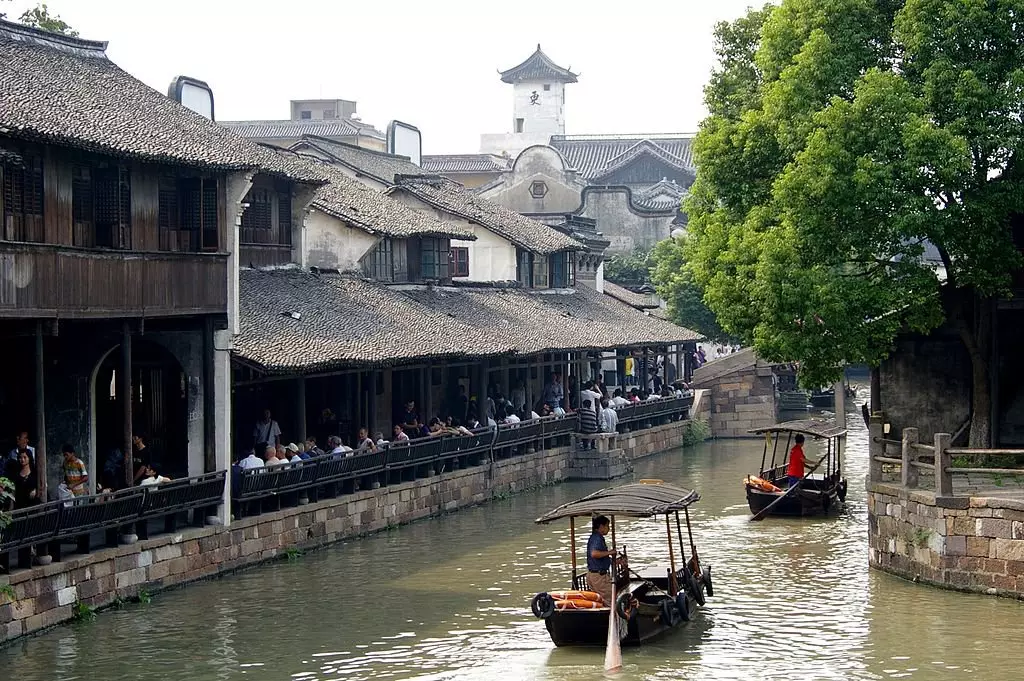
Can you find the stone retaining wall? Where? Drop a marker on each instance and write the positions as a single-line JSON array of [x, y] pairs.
[[46, 595], [964, 543]]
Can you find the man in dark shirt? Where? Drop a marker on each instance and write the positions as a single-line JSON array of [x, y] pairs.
[[599, 560]]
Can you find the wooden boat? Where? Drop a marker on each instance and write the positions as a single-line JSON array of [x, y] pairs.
[[818, 492], [649, 603]]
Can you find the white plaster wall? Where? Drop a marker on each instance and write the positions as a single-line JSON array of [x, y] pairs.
[[547, 116], [511, 143], [622, 227], [332, 244], [222, 409], [491, 257]]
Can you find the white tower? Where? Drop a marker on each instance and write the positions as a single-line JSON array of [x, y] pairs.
[[538, 104]]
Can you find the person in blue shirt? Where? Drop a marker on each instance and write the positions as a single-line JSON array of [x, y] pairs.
[[599, 560]]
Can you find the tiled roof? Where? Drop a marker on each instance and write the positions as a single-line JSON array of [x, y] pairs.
[[637, 300], [362, 206], [538, 67], [595, 155], [291, 320], [541, 321], [334, 127], [62, 90], [377, 164], [465, 163], [665, 195], [452, 197]]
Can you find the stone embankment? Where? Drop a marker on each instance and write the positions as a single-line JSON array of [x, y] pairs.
[[966, 543], [32, 600]]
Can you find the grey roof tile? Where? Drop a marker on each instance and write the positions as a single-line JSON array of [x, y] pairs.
[[538, 66], [287, 129], [631, 298], [65, 91], [452, 197], [595, 155], [443, 164], [297, 321], [376, 164]]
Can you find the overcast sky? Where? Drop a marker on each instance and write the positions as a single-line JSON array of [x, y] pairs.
[[433, 64]]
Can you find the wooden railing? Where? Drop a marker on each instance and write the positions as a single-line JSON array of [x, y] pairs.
[[942, 466], [45, 280]]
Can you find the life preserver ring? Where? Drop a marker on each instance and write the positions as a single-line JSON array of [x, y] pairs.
[[576, 595], [683, 606], [693, 587], [543, 606], [761, 484], [625, 606], [578, 604], [669, 612], [706, 578]]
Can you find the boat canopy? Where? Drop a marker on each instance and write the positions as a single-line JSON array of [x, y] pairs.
[[814, 427], [636, 500]]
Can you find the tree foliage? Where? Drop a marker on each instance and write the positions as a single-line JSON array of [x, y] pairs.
[[40, 17], [633, 269], [843, 137], [684, 297]]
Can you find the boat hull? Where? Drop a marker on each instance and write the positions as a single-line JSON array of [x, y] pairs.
[[589, 628], [815, 497]]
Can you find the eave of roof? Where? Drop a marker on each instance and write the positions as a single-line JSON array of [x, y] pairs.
[[377, 165]]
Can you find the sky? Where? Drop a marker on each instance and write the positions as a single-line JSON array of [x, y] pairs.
[[432, 63]]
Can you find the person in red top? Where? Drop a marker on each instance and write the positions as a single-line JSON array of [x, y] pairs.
[[797, 462]]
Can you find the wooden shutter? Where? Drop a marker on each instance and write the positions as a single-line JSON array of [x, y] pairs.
[[82, 206], [210, 216], [284, 217], [540, 271]]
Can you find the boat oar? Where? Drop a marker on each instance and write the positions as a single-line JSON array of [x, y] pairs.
[[612, 651], [761, 514]]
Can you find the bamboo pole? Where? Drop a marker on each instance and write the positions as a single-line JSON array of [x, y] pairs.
[[673, 588], [572, 545]]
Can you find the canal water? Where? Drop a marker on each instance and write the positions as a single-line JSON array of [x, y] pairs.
[[449, 598]]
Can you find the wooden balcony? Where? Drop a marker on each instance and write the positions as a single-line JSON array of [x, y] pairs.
[[45, 280]]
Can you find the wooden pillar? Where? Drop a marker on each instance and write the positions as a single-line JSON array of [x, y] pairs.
[[40, 414], [428, 394], [909, 472], [371, 406], [300, 408], [875, 448], [876, 390], [209, 400], [126, 399], [646, 371], [506, 385], [481, 391], [943, 460]]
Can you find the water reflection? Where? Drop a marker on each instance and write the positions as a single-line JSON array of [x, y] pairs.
[[449, 599]]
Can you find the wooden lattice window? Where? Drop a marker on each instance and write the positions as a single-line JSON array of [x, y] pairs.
[[257, 220], [380, 262], [562, 270], [284, 217], [21, 195], [524, 268], [460, 261], [188, 214], [434, 259], [101, 205]]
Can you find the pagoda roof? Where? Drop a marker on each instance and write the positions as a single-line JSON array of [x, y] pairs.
[[538, 67]]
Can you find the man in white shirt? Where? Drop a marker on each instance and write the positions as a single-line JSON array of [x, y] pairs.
[[251, 461], [511, 417], [608, 419], [266, 432], [588, 393], [293, 451], [617, 399], [270, 456]]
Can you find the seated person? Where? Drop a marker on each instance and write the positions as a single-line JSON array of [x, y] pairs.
[[152, 478]]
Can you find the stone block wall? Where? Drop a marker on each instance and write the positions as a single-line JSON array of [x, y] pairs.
[[741, 401], [641, 443], [964, 543]]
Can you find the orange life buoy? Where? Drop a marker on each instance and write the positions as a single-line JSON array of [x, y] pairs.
[[761, 484], [576, 595]]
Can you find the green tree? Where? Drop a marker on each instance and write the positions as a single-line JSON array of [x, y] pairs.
[[685, 299], [40, 17], [844, 136], [633, 269]]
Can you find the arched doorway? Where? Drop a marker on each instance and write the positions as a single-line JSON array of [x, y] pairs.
[[159, 408]]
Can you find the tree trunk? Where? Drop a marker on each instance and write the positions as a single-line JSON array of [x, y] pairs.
[[974, 323]]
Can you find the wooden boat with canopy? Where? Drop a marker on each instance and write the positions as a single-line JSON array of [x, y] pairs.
[[648, 603], [821, 488]]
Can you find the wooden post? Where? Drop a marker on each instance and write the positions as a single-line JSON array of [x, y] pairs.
[[909, 472], [481, 395], [126, 399], [572, 546], [875, 448], [209, 400], [673, 589], [300, 408], [40, 415], [427, 406], [876, 390], [943, 478]]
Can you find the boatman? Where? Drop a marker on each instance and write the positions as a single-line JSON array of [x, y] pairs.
[[797, 462], [599, 560]]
